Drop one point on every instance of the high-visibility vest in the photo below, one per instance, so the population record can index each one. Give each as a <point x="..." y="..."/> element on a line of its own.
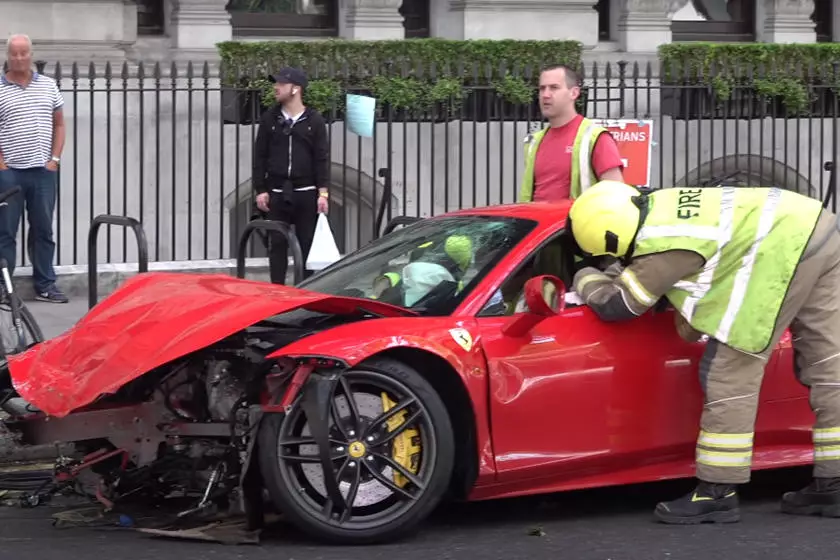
<point x="751" y="239"/>
<point x="582" y="176"/>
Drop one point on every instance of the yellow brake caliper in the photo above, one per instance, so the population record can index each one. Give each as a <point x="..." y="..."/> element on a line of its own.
<point x="405" y="448"/>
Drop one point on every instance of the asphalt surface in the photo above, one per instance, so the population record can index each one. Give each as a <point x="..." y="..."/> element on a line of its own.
<point x="609" y="524"/>
<point x="604" y="524"/>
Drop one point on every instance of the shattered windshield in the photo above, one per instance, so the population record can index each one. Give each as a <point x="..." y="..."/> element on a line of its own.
<point x="429" y="267"/>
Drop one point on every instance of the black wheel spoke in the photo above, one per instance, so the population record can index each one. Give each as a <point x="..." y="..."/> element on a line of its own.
<point x="355" y="417"/>
<point x="303" y="440"/>
<point x="307" y="458"/>
<point x="329" y="505"/>
<point x="385" y="416"/>
<point x="388" y="436"/>
<point x="390" y="484"/>
<point x="337" y="420"/>
<point x="402" y="470"/>
<point x="340" y="474"/>
<point x="355" y="483"/>
<point x="327" y="510"/>
<point x="307" y="440"/>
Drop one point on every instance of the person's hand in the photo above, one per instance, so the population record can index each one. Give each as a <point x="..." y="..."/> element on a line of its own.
<point x="51" y="166"/>
<point x="323" y="203"/>
<point x="3" y="166"/>
<point x="262" y="201"/>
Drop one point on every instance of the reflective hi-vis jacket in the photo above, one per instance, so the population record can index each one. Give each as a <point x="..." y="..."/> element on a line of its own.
<point x="582" y="176"/>
<point x="751" y="239"/>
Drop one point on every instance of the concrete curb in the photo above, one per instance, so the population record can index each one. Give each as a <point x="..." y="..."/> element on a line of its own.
<point x="73" y="279"/>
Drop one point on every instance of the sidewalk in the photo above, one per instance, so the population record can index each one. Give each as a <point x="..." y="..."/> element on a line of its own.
<point x="55" y="318"/>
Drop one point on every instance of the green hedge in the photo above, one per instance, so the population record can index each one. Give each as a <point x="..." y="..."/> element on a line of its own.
<point x="412" y="74"/>
<point x="796" y="75"/>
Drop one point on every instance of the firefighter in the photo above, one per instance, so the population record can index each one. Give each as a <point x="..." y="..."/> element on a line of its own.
<point x="739" y="265"/>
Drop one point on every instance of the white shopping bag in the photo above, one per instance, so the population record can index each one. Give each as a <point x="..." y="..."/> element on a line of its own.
<point x="324" y="251"/>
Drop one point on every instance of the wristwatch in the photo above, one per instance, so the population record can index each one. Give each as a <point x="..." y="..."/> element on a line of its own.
<point x="56" y="159"/>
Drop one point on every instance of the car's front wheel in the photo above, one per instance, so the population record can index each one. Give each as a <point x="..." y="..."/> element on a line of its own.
<point x="391" y="455"/>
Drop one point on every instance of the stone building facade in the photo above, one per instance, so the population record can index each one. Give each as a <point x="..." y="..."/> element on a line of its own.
<point x="132" y="30"/>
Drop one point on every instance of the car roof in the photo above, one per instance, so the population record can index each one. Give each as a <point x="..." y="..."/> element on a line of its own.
<point x="545" y="213"/>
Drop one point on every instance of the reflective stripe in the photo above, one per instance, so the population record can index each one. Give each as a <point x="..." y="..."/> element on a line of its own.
<point x="586" y="280"/>
<point x="724" y="459"/>
<point x="584" y="155"/>
<point x="709" y="233"/>
<point x="742" y="277"/>
<point x="826" y="453"/>
<point x="639" y="292"/>
<point x="704" y="280"/>
<point x="532" y="142"/>
<point x="826" y="434"/>
<point x="722" y="234"/>
<point x="726" y="440"/>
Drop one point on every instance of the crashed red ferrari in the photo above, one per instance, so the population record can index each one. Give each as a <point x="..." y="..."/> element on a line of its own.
<point x="440" y="362"/>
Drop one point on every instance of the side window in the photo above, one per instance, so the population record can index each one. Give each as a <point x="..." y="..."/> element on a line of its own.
<point x="554" y="257"/>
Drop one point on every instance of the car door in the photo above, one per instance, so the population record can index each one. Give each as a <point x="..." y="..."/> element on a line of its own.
<point x="578" y="396"/>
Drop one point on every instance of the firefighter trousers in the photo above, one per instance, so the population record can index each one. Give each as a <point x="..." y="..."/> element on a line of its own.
<point x="732" y="379"/>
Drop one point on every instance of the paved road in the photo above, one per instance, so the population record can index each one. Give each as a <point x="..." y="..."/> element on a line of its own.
<point x="611" y="524"/>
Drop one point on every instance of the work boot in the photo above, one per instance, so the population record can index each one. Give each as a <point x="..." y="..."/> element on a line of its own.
<point x="708" y="503"/>
<point x="821" y="497"/>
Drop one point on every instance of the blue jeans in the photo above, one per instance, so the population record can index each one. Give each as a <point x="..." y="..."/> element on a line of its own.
<point x="38" y="191"/>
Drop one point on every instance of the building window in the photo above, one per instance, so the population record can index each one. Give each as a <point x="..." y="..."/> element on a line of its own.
<point x="823" y="18"/>
<point x="150" y="17"/>
<point x="271" y="18"/>
<point x="603" y="9"/>
<point x="415" y="15"/>
<point x="714" y="21"/>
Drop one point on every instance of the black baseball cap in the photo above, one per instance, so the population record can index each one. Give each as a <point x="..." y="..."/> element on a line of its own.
<point x="289" y="75"/>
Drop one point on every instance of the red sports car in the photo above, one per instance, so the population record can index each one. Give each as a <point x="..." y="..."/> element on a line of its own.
<point x="442" y="361"/>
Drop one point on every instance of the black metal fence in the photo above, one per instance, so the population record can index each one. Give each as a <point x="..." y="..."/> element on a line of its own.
<point x="171" y="147"/>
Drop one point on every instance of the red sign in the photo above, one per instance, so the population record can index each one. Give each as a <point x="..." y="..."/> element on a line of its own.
<point x="635" y="140"/>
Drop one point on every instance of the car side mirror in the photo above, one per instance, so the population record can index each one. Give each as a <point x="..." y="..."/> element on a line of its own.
<point x="545" y="297"/>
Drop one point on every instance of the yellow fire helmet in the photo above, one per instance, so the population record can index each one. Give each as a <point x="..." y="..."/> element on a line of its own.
<point x="604" y="218"/>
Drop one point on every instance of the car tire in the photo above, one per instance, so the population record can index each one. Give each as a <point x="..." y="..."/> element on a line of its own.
<point x="436" y="483"/>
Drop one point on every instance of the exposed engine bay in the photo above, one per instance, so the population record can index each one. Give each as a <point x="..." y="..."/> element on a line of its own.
<point x="185" y="430"/>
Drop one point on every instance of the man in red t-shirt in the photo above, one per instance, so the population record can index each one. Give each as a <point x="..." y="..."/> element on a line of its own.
<point x="554" y="169"/>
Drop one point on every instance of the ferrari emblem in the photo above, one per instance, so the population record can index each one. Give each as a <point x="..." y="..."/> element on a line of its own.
<point x="463" y="338"/>
<point x="357" y="449"/>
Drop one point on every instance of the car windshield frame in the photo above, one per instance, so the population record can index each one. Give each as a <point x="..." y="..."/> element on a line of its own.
<point x="361" y="263"/>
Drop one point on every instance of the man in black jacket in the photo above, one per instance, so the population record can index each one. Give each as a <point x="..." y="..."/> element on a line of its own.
<point x="291" y="168"/>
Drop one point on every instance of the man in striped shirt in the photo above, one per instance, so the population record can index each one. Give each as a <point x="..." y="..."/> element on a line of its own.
<point x="31" y="141"/>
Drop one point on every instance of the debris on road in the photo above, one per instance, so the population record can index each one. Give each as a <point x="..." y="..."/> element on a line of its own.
<point x="231" y="531"/>
<point x="22" y="485"/>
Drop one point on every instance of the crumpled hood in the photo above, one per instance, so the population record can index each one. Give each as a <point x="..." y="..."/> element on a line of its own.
<point x="152" y="319"/>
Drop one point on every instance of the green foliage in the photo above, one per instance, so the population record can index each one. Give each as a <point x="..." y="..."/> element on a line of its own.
<point x="791" y="73"/>
<point x="411" y="74"/>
